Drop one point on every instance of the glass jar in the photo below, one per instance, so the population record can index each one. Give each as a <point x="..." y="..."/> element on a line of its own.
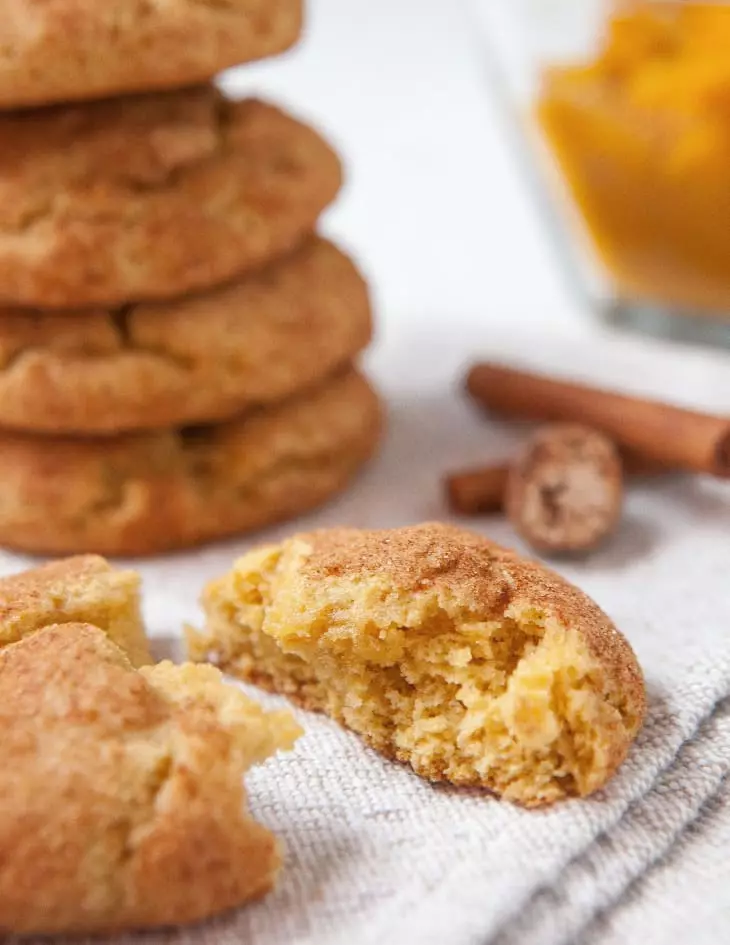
<point x="624" y="108"/>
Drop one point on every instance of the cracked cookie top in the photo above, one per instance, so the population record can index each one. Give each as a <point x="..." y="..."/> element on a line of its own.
<point x="467" y="573"/>
<point x="144" y="493"/>
<point x="85" y="588"/>
<point x="121" y="797"/>
<point x="152" y="196"/>
<point x="193" y="360"/>
<point x="62" y="50"/>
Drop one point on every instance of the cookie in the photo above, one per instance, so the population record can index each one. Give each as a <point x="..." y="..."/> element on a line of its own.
<point x="152" y="196"/>
<point x="61" y="50"/>
<point x="84" y="589"/>
<point x="122" y="804"/>
<point x="202" y="358"/>
<point x="152" y="492"/>
<point x="441" y="649"/>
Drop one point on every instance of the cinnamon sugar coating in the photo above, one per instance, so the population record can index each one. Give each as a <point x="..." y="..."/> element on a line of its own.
<point x="441" y="649"/>
<point x="122" y="804"/>
<point x="149" y="197"/>
<point x="84" y="589"/>
<point x="193" y="360"/>
<point x="145" y="493"/>
<point x="60" y="50"/>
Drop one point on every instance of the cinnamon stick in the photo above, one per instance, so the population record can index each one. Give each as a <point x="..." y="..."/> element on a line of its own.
<point x="482" y="489"/>
<point x="660" y="433"/>
<point x="478" y="490"/>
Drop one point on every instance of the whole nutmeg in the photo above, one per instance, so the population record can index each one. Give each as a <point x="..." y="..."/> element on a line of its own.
<point x="564" y="492"/>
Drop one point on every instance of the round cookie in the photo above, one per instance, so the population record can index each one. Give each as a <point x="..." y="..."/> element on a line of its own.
<point x="61" y="50"/>
<point x="122" y="803"/>
<point x="152" y="492"/>
<point x="152" y="196"/>
<point x="443" y="650"/>
<point x="193" y="360"/>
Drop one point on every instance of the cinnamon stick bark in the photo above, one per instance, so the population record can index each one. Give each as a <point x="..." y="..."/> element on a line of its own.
<point x="668" y="435"/>
<point x="478" y="490"/>
<point x="482" y="489"/>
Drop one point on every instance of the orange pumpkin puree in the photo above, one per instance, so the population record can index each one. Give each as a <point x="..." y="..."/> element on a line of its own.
<point x="642" y="136"/>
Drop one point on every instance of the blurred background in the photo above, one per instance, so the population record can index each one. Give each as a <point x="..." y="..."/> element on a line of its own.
<point x="459" y="208"/>
<point x="436" y="206"/>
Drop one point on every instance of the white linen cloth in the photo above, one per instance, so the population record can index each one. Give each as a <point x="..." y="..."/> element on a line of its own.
<point x="577" y="907"/>
<point x="684" y="897"/>
<point x="375" y="855"/>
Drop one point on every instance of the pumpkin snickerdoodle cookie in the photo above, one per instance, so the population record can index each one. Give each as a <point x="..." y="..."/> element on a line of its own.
<point x="151" y="492"/>
<point x="61" y="50"/>
<point x="85" y="589"/>
<point x="441" y="649"/>
<point x="152" y="196"/>
<point x="122" y="804"/>
<point x="192" y="360"/>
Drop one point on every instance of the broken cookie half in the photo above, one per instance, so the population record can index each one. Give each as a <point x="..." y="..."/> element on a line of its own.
<point x="122" y="804"/>
<point x="441" y="649"/>
<point x="82" y="589"/>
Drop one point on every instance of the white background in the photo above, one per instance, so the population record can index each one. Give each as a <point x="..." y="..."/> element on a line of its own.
<point x="437" y="207"/>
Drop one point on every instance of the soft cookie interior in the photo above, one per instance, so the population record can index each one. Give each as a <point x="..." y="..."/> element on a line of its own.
<point x="513" y="699"/>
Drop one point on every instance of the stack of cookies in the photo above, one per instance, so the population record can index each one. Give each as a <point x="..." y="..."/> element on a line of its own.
<point x="176" y="343"/>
